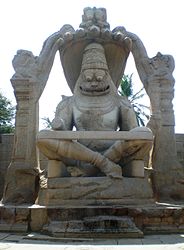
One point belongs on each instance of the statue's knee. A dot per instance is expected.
(48, 144)
(42, 143)
(141, 129)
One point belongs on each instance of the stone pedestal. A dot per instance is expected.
(117, 221)
(104, 226)
(87, 206)
(83, 191)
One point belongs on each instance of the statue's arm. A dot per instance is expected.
(127, 117)
(63, 116)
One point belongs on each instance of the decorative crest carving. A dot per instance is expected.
(94, 28)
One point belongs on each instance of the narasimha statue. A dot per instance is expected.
(94, 106)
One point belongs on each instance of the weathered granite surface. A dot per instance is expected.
(6, 148)
(94, 106)
(78, 191)
(96, 227)
(134, 220)
(24, 176)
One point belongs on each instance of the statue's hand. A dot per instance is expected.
(58, 124)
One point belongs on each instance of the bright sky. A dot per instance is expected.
(25, 24)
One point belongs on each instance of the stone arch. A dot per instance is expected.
(30, 78)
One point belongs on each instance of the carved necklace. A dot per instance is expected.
(95, 105)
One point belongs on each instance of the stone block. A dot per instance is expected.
(167, 220)
(7, 139)
(179, 147)
(179, 137)
(3, 236)
(95, 190)
(134, 169)
(38, 218)
(96, 227)
(14, 219)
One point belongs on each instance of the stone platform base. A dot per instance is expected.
(106, 226)
(100, 191)
(127, 221)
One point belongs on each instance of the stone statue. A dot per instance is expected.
(95, 106)
(107, 142)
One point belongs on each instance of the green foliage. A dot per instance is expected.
(141, 110)
(126, 88)
(47, 122)
(7, 114)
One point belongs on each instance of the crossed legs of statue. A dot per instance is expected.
(124, 151)
(130, 155)
(57, 149)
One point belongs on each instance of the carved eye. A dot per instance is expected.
(88, 78)
(99, 78)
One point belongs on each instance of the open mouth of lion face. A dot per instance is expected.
(95, 91)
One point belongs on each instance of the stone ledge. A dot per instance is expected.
(96, 135)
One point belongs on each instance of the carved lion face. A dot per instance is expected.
(94, 82)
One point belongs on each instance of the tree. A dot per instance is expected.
(7, 115)
(47, 122)
(141, 110)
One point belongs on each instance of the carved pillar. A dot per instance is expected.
(29, 80)
(167, 170)
(23, 169)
